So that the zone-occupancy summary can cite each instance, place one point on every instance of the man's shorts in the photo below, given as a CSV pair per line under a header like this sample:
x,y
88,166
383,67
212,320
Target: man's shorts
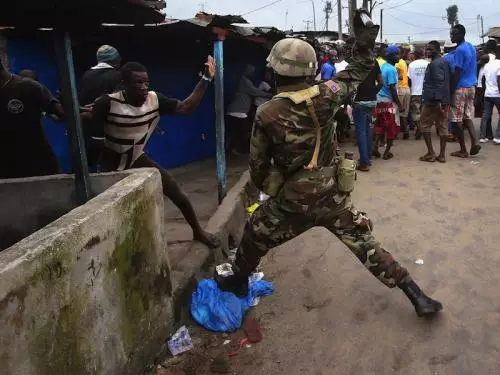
x,y
416,107
404,98
385,114
463,105
432,115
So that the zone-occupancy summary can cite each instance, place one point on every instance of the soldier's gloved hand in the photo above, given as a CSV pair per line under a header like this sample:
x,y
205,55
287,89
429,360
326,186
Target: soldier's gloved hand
x,y
365,32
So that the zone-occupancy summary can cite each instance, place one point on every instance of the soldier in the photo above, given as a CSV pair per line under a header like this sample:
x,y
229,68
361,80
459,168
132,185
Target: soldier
x,y
293,160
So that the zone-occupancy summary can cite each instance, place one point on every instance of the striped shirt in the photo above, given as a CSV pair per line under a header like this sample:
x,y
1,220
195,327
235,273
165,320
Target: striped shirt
x,y
127,129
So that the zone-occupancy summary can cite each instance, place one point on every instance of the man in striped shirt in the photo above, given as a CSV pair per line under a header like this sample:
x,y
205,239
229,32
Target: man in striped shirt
x,y
130,117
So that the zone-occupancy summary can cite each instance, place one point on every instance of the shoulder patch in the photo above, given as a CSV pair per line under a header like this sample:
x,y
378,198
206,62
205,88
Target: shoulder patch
x,y
333,86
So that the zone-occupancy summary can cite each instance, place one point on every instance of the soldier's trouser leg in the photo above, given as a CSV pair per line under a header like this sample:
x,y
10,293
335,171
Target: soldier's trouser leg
x,y
268,227
353,228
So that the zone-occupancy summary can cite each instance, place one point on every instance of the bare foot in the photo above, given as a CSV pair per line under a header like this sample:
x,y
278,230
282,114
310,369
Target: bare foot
x,y
207,238
460,154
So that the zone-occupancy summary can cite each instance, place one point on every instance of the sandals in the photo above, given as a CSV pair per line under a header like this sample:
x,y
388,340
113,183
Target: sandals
x,y
460,154
474,150
388,155
441,159
428,158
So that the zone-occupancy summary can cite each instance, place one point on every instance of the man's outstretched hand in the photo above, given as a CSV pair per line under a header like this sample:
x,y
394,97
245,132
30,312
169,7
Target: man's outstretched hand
x,y
210,67
365,31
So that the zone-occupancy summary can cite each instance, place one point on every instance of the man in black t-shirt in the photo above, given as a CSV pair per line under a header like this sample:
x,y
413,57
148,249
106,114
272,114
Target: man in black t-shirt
x,y
104,78
365,102
129,117
24,150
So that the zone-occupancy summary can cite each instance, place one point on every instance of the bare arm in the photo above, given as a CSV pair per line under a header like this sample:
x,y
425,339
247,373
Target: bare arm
x,y
498,82
188,105
454,79
394,93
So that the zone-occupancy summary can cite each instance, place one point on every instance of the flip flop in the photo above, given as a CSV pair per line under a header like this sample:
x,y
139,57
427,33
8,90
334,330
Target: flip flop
x,y
388,155
441,159
474,150
428,158
460,154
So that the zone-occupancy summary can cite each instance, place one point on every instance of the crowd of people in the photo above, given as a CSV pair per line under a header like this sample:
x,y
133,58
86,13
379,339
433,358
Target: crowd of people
x,y
417,90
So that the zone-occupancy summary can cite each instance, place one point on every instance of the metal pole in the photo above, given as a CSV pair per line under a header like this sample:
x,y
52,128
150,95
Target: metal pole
x,y
482,28
314,15
71,105
381,25
339,11
219,117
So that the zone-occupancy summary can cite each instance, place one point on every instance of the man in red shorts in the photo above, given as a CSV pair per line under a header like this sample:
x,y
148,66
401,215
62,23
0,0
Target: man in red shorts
x,y
388,103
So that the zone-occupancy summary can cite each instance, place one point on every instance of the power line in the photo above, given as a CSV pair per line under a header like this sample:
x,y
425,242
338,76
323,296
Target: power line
x,y
262,7
399,5
431,15
411,24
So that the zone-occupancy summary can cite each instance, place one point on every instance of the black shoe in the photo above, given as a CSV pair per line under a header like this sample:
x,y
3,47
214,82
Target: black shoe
x,y
376,154
406,135
424,306
236,284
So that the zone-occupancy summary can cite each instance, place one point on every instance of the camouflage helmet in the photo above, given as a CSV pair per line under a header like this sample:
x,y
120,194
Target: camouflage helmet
x,y
293,58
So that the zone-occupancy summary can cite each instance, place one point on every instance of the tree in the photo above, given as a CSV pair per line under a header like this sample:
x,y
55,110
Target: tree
x,y
452,15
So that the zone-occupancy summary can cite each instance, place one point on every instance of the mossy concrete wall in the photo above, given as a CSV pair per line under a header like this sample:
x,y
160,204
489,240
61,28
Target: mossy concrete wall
x,y
90,293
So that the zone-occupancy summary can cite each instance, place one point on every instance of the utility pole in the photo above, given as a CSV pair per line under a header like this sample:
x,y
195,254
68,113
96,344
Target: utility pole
x,y
481,25
409,40
339,11
314,15
286,20
328,11
352,11
308,24
381,25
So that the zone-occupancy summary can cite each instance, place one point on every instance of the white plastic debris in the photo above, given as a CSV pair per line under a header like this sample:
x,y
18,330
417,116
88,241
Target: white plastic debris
x,y
226,342
224,270
263,197
419,261
180,342
473,162
257,276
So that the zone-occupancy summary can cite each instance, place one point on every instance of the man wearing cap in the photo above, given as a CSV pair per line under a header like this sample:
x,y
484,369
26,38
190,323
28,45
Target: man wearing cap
x,y
293,159
101,79
388,104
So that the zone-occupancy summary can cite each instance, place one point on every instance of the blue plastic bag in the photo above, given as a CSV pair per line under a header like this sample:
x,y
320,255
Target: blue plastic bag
x,y
220,311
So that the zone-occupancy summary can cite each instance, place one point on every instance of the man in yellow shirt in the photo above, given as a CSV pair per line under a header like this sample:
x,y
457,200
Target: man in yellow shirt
x,y
404,94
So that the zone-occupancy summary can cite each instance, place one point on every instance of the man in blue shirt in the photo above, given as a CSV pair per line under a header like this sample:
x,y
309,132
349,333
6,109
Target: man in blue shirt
x,y
463,88
388,104
328,70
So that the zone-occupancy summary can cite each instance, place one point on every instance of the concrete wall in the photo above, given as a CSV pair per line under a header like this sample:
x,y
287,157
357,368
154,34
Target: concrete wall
x,y
90,293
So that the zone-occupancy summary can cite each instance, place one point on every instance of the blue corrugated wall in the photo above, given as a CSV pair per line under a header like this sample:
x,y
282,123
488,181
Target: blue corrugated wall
x,y
173,72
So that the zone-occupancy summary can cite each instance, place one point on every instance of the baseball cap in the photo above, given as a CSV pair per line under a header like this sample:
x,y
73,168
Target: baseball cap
x,y
392,50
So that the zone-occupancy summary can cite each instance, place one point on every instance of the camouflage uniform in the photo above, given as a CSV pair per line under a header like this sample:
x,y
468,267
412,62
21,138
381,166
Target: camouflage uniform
x,y
282,144
293,159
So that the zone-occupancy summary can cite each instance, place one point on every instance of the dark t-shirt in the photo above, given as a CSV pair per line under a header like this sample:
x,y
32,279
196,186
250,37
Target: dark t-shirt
x,y
95,83
24,150
437,82
367,90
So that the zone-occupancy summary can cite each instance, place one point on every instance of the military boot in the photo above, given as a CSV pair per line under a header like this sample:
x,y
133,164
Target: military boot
x,y
424,306
236,283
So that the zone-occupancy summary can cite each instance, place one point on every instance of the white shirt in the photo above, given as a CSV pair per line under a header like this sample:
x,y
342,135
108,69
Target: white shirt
x,y
481,71
491,73
258,101
416,72
341,66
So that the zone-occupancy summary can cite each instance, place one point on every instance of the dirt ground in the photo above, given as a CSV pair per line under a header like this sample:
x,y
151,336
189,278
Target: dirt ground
x,y
328,315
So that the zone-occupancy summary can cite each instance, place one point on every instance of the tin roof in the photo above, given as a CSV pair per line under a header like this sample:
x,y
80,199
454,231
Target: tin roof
x,y
71,14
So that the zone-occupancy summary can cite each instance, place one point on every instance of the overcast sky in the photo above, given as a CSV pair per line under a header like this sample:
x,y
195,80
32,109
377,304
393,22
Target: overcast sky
x,y
417,19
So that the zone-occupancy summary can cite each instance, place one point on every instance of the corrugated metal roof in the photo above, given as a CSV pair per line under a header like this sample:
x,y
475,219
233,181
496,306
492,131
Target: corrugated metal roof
x,y
493,32
79,13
